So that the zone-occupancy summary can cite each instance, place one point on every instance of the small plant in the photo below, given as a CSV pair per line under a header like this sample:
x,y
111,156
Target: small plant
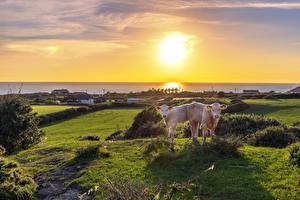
x,y
294,151
117,135
275,136
224,147
14,183
88,153
158,147
90,137
126,189
2,150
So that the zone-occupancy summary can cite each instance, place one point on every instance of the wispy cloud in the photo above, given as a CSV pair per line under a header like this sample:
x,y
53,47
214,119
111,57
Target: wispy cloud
x,y
65,49
107,20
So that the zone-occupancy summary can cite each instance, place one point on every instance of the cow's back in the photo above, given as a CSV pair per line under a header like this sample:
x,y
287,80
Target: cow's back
x,y
177,114
195,111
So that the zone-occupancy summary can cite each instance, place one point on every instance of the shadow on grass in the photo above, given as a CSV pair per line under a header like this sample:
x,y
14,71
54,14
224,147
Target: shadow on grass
x,y
211,176
268,109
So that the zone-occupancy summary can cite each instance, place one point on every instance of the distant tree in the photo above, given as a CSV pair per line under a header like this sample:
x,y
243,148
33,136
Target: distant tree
x,y
18,125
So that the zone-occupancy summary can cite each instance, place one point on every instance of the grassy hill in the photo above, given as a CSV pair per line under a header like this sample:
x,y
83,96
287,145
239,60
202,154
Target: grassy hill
x,y
46,109
259,173
286,110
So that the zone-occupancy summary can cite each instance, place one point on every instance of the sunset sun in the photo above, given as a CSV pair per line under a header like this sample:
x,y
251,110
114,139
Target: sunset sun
x,y
174,48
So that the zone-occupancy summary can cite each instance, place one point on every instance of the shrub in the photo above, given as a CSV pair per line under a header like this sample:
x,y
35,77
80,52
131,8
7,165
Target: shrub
x,y
117,135
90,137
18,125
127,189
295,131
14,183
88,152
2,150
294,151
272,137
147,123
224,147
243,125
237,106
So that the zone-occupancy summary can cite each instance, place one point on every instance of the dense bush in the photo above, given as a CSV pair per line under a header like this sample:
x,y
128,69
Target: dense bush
x,y
14,183
237,106
74,112
224,147
274,136
147,123
295,131
243,125
294,151
18,125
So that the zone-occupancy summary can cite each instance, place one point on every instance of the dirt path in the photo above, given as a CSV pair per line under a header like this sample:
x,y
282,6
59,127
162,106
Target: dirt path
x,y
54,185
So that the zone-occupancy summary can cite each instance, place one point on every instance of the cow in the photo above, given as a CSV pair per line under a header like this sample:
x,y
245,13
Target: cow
x,y
198,114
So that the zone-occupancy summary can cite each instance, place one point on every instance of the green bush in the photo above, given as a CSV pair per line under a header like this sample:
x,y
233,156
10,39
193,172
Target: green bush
x,y
243,125
14,183
294,151
18,125
295,131
274,136
224,147
117,135
147,123
237,106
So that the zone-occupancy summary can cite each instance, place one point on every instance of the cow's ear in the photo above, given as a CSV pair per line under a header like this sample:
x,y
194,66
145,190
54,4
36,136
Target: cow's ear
x,y
209,107
223,107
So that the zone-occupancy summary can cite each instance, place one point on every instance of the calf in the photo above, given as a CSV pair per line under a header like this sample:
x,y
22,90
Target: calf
x,y
210,118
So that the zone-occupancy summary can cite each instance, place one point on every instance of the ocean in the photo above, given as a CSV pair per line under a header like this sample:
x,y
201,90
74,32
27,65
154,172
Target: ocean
x,y
102,87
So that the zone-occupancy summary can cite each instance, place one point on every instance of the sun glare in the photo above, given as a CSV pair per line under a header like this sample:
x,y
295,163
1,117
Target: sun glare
x,y
172,85
174,48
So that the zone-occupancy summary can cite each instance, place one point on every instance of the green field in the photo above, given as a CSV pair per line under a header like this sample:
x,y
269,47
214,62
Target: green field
x,y
270,176
46,109
285,110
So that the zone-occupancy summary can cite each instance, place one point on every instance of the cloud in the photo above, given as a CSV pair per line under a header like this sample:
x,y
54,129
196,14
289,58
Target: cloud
x,y
65,49
107,20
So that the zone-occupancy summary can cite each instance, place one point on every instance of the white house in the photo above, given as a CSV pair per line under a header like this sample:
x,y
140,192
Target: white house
x,y
85,99
134,100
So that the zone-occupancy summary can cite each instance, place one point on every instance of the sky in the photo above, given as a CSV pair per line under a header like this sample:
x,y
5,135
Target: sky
x,y
119,40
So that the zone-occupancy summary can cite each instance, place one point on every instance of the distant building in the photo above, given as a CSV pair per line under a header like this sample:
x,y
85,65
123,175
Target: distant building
x,y
134,100
84,98
118,100
250,91
295,90
60,92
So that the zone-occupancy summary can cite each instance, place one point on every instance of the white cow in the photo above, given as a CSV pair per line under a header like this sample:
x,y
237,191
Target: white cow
x,y
197,114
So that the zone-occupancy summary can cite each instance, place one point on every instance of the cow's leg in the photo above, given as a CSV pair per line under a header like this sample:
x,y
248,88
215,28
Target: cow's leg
x,y
204,133
192,128
172,132
195,127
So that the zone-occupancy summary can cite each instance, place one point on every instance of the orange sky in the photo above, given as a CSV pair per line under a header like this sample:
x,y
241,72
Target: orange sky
x,y
91,42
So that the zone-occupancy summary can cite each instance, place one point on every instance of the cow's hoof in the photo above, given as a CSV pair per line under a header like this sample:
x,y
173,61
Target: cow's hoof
x,y
195,141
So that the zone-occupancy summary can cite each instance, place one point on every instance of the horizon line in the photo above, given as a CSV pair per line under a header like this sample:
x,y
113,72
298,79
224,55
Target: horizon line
x,y
137,82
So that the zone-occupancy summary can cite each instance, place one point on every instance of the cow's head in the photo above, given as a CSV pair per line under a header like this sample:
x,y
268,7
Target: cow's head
x,y
164,109
216,109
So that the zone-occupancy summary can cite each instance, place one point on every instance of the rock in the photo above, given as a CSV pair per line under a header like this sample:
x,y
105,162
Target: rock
x,y
90,137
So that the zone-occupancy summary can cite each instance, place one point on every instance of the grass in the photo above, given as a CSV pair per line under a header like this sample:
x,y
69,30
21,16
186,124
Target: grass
x,y
285,110
270,175
47,109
